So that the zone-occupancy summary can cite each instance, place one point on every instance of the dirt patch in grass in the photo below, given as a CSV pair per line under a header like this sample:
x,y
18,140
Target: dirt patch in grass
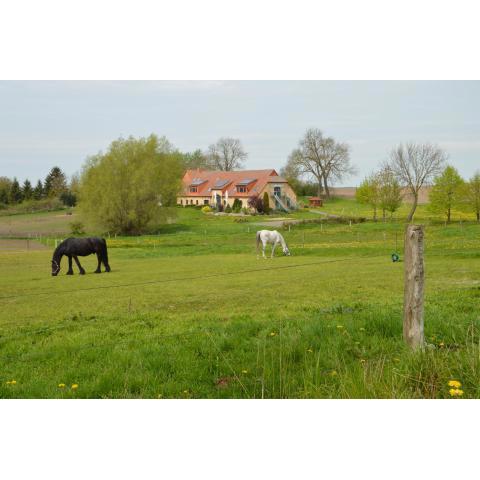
x,y
20,245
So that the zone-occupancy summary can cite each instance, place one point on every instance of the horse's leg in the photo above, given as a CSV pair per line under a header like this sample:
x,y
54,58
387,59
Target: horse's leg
x,y
273,248
99,270
70,269
82,271
264,244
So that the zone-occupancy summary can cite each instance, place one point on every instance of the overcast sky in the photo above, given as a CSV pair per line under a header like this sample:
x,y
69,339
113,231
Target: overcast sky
x,y
43,124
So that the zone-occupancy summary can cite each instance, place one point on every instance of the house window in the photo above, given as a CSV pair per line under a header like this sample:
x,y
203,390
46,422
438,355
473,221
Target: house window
x,y
196,202
193,189
191,202
205,202
241,189
181,202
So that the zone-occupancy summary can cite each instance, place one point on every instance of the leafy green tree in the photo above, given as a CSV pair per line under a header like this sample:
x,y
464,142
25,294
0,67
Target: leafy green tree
x,y
16,195
368,193
128,188
38,191
266,203
472,195
447,192
27,190
196,159
55,183
5,186
390,192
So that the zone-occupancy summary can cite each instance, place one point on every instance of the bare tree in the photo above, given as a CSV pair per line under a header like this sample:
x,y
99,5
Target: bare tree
x,y
323,158
227,154
415,165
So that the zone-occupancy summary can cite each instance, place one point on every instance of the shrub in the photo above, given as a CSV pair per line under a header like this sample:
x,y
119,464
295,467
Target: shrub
x,y
256,203
237,205
228,209
77,228
266,203
206,209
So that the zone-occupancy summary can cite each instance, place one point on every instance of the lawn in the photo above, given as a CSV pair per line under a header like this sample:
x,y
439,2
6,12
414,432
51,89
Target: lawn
x,y
191,313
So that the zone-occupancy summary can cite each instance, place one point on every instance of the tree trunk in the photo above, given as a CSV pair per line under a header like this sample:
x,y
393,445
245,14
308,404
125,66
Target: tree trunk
x,y
327,190
414,207
448,215
478,216
413,325
374,213
319,187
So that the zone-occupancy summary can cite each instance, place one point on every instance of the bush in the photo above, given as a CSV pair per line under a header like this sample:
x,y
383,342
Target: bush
x,y
228,209
237,205
266,203
256,203
77,228
206,209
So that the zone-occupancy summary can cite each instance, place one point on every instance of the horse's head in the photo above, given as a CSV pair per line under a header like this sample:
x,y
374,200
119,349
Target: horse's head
x,y
55,268
286,251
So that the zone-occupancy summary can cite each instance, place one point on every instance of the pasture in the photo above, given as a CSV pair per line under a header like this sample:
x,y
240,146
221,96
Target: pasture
x,y
191,313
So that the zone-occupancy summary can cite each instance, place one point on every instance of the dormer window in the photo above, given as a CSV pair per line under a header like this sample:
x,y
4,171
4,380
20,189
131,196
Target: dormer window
x,y
241,189
193,190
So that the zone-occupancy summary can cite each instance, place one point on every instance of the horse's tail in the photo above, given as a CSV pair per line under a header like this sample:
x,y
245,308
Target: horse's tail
x,y
104,253
258,240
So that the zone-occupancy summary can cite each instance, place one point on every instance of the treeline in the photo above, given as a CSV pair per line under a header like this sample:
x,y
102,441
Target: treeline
x,y
412,167
54,186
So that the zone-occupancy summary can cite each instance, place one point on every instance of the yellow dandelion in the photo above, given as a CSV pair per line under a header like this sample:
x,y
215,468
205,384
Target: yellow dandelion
x,y
455,392
339,326
362,360
74,386
333,373
244,371
13,382
441,344
272,334
454,384
61,385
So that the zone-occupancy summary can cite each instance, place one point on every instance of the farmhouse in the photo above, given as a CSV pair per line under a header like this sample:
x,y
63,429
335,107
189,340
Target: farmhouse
x,y
214,188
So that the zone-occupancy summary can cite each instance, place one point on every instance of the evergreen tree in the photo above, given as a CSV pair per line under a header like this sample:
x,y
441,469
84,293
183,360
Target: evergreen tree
x,y
38,191
266,203
447,192
15,192
27,190
55,183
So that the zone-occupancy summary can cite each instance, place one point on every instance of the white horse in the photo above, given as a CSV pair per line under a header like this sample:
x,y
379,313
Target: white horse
x,y
273,237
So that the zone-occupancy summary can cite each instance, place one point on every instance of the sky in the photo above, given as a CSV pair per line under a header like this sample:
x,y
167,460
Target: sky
x,y
47,123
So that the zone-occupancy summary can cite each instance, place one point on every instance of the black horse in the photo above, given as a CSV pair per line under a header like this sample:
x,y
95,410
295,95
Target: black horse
x,y
75,247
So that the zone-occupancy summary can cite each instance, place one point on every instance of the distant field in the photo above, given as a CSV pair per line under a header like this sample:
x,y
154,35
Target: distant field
x,y
191,313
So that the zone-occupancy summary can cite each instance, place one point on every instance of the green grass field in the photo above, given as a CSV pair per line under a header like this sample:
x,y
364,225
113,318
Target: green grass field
x,y
191,313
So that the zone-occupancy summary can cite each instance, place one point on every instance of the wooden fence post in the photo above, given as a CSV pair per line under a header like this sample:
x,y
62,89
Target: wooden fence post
x,y
414,287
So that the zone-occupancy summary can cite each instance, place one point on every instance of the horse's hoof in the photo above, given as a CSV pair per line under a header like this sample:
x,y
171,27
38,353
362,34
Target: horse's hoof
x,y
69,273
82,272
97,271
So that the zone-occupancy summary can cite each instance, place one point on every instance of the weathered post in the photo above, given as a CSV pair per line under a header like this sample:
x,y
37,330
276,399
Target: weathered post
x,y
414,287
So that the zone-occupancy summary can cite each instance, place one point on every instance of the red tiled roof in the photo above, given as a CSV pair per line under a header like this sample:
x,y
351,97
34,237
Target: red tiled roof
x,y
256,181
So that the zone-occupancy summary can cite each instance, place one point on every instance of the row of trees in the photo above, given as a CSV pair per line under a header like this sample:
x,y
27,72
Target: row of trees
x,y
412,167
54,185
